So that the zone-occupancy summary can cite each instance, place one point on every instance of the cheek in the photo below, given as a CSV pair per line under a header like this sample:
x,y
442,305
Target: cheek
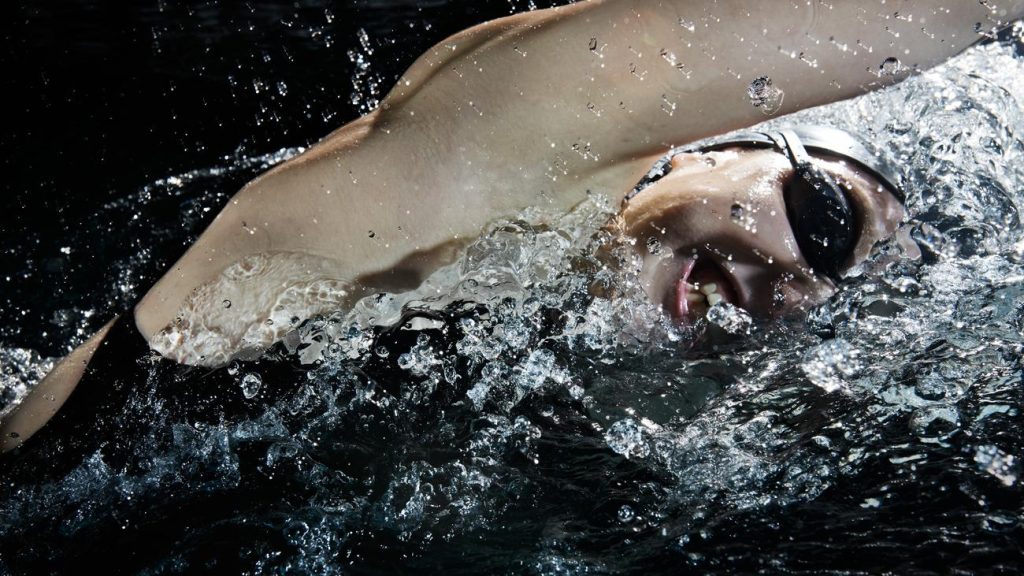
x,y
672,223
658,274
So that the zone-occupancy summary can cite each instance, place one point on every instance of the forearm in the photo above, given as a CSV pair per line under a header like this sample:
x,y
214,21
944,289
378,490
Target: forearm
x,y
47,397
572,93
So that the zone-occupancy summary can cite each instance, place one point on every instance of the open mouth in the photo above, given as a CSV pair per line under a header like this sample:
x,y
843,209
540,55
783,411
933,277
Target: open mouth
x,y
702,284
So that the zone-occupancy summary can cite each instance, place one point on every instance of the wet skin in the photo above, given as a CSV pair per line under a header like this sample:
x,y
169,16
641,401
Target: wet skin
x,y
719,218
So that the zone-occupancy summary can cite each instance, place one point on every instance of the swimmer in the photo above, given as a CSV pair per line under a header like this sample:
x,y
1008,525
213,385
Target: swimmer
x,y
542,108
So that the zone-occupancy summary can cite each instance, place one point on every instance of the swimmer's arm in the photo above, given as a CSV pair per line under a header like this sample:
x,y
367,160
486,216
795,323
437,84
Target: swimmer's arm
x,y
43,401
574,91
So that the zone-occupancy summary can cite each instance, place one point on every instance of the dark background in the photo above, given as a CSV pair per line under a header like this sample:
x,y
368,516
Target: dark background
x,y
104,98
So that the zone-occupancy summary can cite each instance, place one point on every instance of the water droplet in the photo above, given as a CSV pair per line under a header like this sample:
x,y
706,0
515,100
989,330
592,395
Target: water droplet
x,y
371,234
226,303
934,421
14,435
674,61
251,384
653,246
736,213
626,437
933,387
891,66
999,464
830,364
990,32
626,513
765,96
730,318
667,106
233,368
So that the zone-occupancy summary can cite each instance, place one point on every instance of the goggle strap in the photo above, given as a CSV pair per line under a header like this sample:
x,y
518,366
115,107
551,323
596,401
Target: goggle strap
x,y
788,142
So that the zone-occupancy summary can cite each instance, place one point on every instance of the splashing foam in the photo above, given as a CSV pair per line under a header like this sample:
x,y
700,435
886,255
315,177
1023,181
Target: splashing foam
x,y
254,303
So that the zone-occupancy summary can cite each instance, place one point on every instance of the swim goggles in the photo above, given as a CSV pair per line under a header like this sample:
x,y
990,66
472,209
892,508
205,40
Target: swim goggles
x,y
817,206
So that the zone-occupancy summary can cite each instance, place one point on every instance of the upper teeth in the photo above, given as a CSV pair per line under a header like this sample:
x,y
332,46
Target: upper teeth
x,y
703,293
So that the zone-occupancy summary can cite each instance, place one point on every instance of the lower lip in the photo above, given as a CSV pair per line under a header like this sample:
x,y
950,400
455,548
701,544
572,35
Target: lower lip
x,y
682,306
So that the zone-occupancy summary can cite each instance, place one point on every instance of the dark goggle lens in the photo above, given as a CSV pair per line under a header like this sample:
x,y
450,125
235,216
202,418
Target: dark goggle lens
x,y
822,219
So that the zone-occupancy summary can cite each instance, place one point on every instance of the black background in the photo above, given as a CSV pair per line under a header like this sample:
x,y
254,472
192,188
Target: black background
x,y
103,98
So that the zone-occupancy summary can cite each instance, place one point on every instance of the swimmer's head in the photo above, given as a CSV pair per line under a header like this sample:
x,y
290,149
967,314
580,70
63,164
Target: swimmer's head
x,y
766,222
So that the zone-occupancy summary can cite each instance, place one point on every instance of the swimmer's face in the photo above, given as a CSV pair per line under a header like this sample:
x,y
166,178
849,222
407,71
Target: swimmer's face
x,y
715,229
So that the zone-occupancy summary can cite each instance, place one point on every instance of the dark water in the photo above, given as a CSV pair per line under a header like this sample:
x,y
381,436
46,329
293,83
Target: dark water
x,y
513,423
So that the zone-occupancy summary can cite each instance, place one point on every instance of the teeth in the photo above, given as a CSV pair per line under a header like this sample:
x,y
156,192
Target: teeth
x,y
703,294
